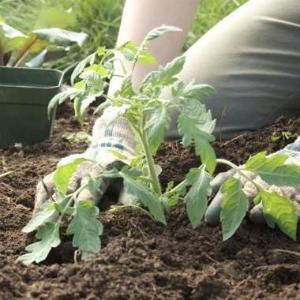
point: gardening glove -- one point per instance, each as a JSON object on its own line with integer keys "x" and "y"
{"x": 212, "y": 215}
{"x": 106, "y": 136}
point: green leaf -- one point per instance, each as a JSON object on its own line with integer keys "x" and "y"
{"x": 86, "y": 228}
{"x": 156, "y": 126}
{"x": 150, "y": 200}
{"x": 191, "y": 91}
{"x": 41, "y": 217}
{"x": 207, "y": 154}
{"x": 159, "y": 31}
{"x": 61, "y": 37}
{"x": 10, "y": 38}
{"x": 70, "y": 93}
{"x": 233, "y": 208}
{"x": 286, "y": 175}
{"x": 281, "y": 211}
{"x": 49, "y": 238}
{"x": 81, "y": 104}
{"x": 164, "y": 76}
{"x": 262, "y": 162}
{"x": 194, "y": 122}
{"x": 80, "y": 67}
{"x": 64, "y": 173}
{"x": 132, "y": 52}
{"x": 126, "y": 89}
{"x": 196, "y": 198}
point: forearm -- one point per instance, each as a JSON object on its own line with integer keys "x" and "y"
{"x": 141, "y": 16}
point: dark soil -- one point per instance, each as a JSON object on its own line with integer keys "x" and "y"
{"x": 142, "y": 259}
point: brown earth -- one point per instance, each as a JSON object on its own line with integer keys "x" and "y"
{"x": 142, "y": 259}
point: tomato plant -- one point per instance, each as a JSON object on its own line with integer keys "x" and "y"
{"x": 149, "y": 115}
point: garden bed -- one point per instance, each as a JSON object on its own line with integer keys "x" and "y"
{"x": 142, "y": 259}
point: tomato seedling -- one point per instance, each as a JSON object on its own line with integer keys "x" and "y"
{"x": 149, "y": 114}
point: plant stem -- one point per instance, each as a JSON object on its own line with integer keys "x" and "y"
{"x": 150, "y": 161}
{"x": 238, "y": 170}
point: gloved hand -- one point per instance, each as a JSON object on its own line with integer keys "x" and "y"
{"x": 212, "y": 216}
{"x": 106, "y": 136}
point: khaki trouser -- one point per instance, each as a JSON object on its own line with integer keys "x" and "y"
{"x": 252, "y": 58}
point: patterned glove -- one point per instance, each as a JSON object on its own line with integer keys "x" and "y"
{"x": 106, "y": 136}
{"x": 212, "y": 216}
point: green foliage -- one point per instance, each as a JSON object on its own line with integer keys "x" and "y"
{"x": 196, "y": 198}
{"x": 272, "y": 169}
{"x": 281, "y": 211}
{"x": 148, "y": 114}
{"x": 41, "y": 217}
{"x": 147, "y": 197}
{"x": 84, "y": 226}
{"x": 17, "y": 48}
{"x": 64, "y": 173}
{"x": 278, "y": 210}
{"x": 234, "y": 207}
{"x": 48, "y": 234}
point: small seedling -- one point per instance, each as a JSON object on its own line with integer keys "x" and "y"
{"x": 282, "y": 136}
{"x": 149, "y": 115}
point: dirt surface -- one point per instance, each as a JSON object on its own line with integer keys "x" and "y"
{"x": 142, "y": 259}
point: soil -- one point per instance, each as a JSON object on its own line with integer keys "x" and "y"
{"x": 142, "y": 259}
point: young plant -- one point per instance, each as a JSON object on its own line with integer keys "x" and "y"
{"x": 149, "y": 115}
{"x": 30, "y": 49}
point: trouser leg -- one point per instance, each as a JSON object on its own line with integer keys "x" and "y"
{"x": 252, "y": 58}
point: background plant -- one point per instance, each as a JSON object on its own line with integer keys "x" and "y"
{"x": 149, "y": 116}
{"x": 48, "y": 35}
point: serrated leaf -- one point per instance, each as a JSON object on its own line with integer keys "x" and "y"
{"x": 80, "y": 67}
{"x": 81, "y": 104}
{"x": 286, "y": 175}
{"x": 144, "y": 195}
{"x": 281, "y": 211}
{"x": 41, "y": 217}
{"x": 165, "y": 75}
{"x": 262, "y": 162}
{"x": 233, "y": 208}
{"x": 49, "y": 238}
{"x": 64, "y": 173}
{"x": 98, "y": 69}
{"x": 196, "y": 198}
{"x": 195, "y": 121}
{"x": 207, "y": 154}
{"x": 159, "y": 31}
{"x": 70, "y": 93}
{"x": 86, "y": 228}
{"x": 156, "y": 126}
{"x": 195, "y": 124}
{"x": 126, "y": 89}
{"x": 191, "y": 91}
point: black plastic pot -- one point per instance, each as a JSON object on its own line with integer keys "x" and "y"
{"x": 24, "y": 97}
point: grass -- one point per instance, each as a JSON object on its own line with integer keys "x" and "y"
{"x": 101, "y": 19}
